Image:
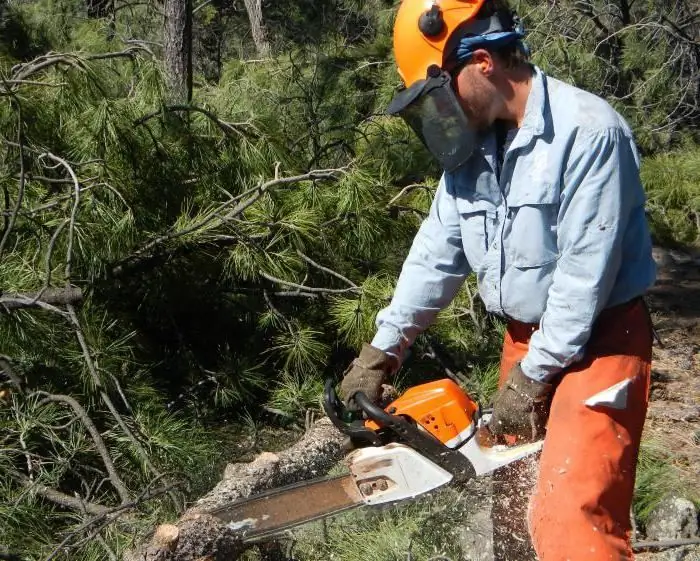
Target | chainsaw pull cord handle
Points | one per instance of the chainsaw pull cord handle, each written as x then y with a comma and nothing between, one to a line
348,422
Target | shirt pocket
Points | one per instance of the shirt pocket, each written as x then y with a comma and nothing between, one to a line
533,228
476,218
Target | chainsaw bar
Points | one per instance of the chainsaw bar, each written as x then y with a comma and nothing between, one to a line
286,507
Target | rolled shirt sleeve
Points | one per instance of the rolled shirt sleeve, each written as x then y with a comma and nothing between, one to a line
431,276
601,192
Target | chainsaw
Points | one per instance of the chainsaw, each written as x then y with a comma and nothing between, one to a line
430,436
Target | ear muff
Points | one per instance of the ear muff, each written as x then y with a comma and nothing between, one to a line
430,22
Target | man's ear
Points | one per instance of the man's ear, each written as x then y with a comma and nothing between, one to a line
483,61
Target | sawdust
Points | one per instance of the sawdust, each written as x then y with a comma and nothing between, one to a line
512,487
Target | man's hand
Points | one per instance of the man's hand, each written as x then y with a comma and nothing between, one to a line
366,373
521,407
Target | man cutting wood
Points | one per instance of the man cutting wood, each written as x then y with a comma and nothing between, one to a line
541,199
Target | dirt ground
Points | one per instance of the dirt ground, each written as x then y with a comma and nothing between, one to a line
673,419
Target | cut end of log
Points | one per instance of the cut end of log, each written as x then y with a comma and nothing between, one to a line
166,537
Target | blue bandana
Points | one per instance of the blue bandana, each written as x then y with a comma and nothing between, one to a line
467,45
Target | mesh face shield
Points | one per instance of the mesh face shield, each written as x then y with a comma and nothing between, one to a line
432,110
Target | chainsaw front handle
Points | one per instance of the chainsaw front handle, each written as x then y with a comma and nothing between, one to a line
348,422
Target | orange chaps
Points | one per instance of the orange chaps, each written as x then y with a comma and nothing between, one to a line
580,507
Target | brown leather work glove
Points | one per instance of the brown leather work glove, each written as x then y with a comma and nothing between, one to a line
521,407
366,373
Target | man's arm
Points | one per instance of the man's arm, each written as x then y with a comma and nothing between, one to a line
431,276
602,189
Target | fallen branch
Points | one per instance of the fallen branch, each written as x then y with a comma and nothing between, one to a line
49,296
663,544
22,182
92,369
61,499
104,519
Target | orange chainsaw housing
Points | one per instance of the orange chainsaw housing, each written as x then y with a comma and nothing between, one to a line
441,407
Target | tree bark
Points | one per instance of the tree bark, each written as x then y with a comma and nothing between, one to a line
257,27
199,535
178,49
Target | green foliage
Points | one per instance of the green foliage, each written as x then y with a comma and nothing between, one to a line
673,188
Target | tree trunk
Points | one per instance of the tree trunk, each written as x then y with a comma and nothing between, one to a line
178,50
254,9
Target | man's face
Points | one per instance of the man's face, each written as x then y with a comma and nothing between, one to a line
476,94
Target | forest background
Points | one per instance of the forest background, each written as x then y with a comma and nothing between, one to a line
203,208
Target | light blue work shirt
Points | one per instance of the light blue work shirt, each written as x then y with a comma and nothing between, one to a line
559,238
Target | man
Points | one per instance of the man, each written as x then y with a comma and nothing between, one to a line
541,198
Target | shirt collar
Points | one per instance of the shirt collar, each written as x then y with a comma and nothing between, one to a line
534,119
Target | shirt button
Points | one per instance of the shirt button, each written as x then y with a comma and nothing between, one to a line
495,245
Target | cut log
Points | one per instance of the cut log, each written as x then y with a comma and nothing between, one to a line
198,535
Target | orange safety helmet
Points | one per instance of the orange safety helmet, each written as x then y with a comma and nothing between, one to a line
423,29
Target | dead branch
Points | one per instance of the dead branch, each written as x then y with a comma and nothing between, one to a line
49,296
22,180
327,270
226,127
198,533
114,478
6,367
74,210
76,60
663,544
311,289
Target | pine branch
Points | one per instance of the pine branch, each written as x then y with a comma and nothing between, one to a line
220,215
407,190
114,478
92,369
103,519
